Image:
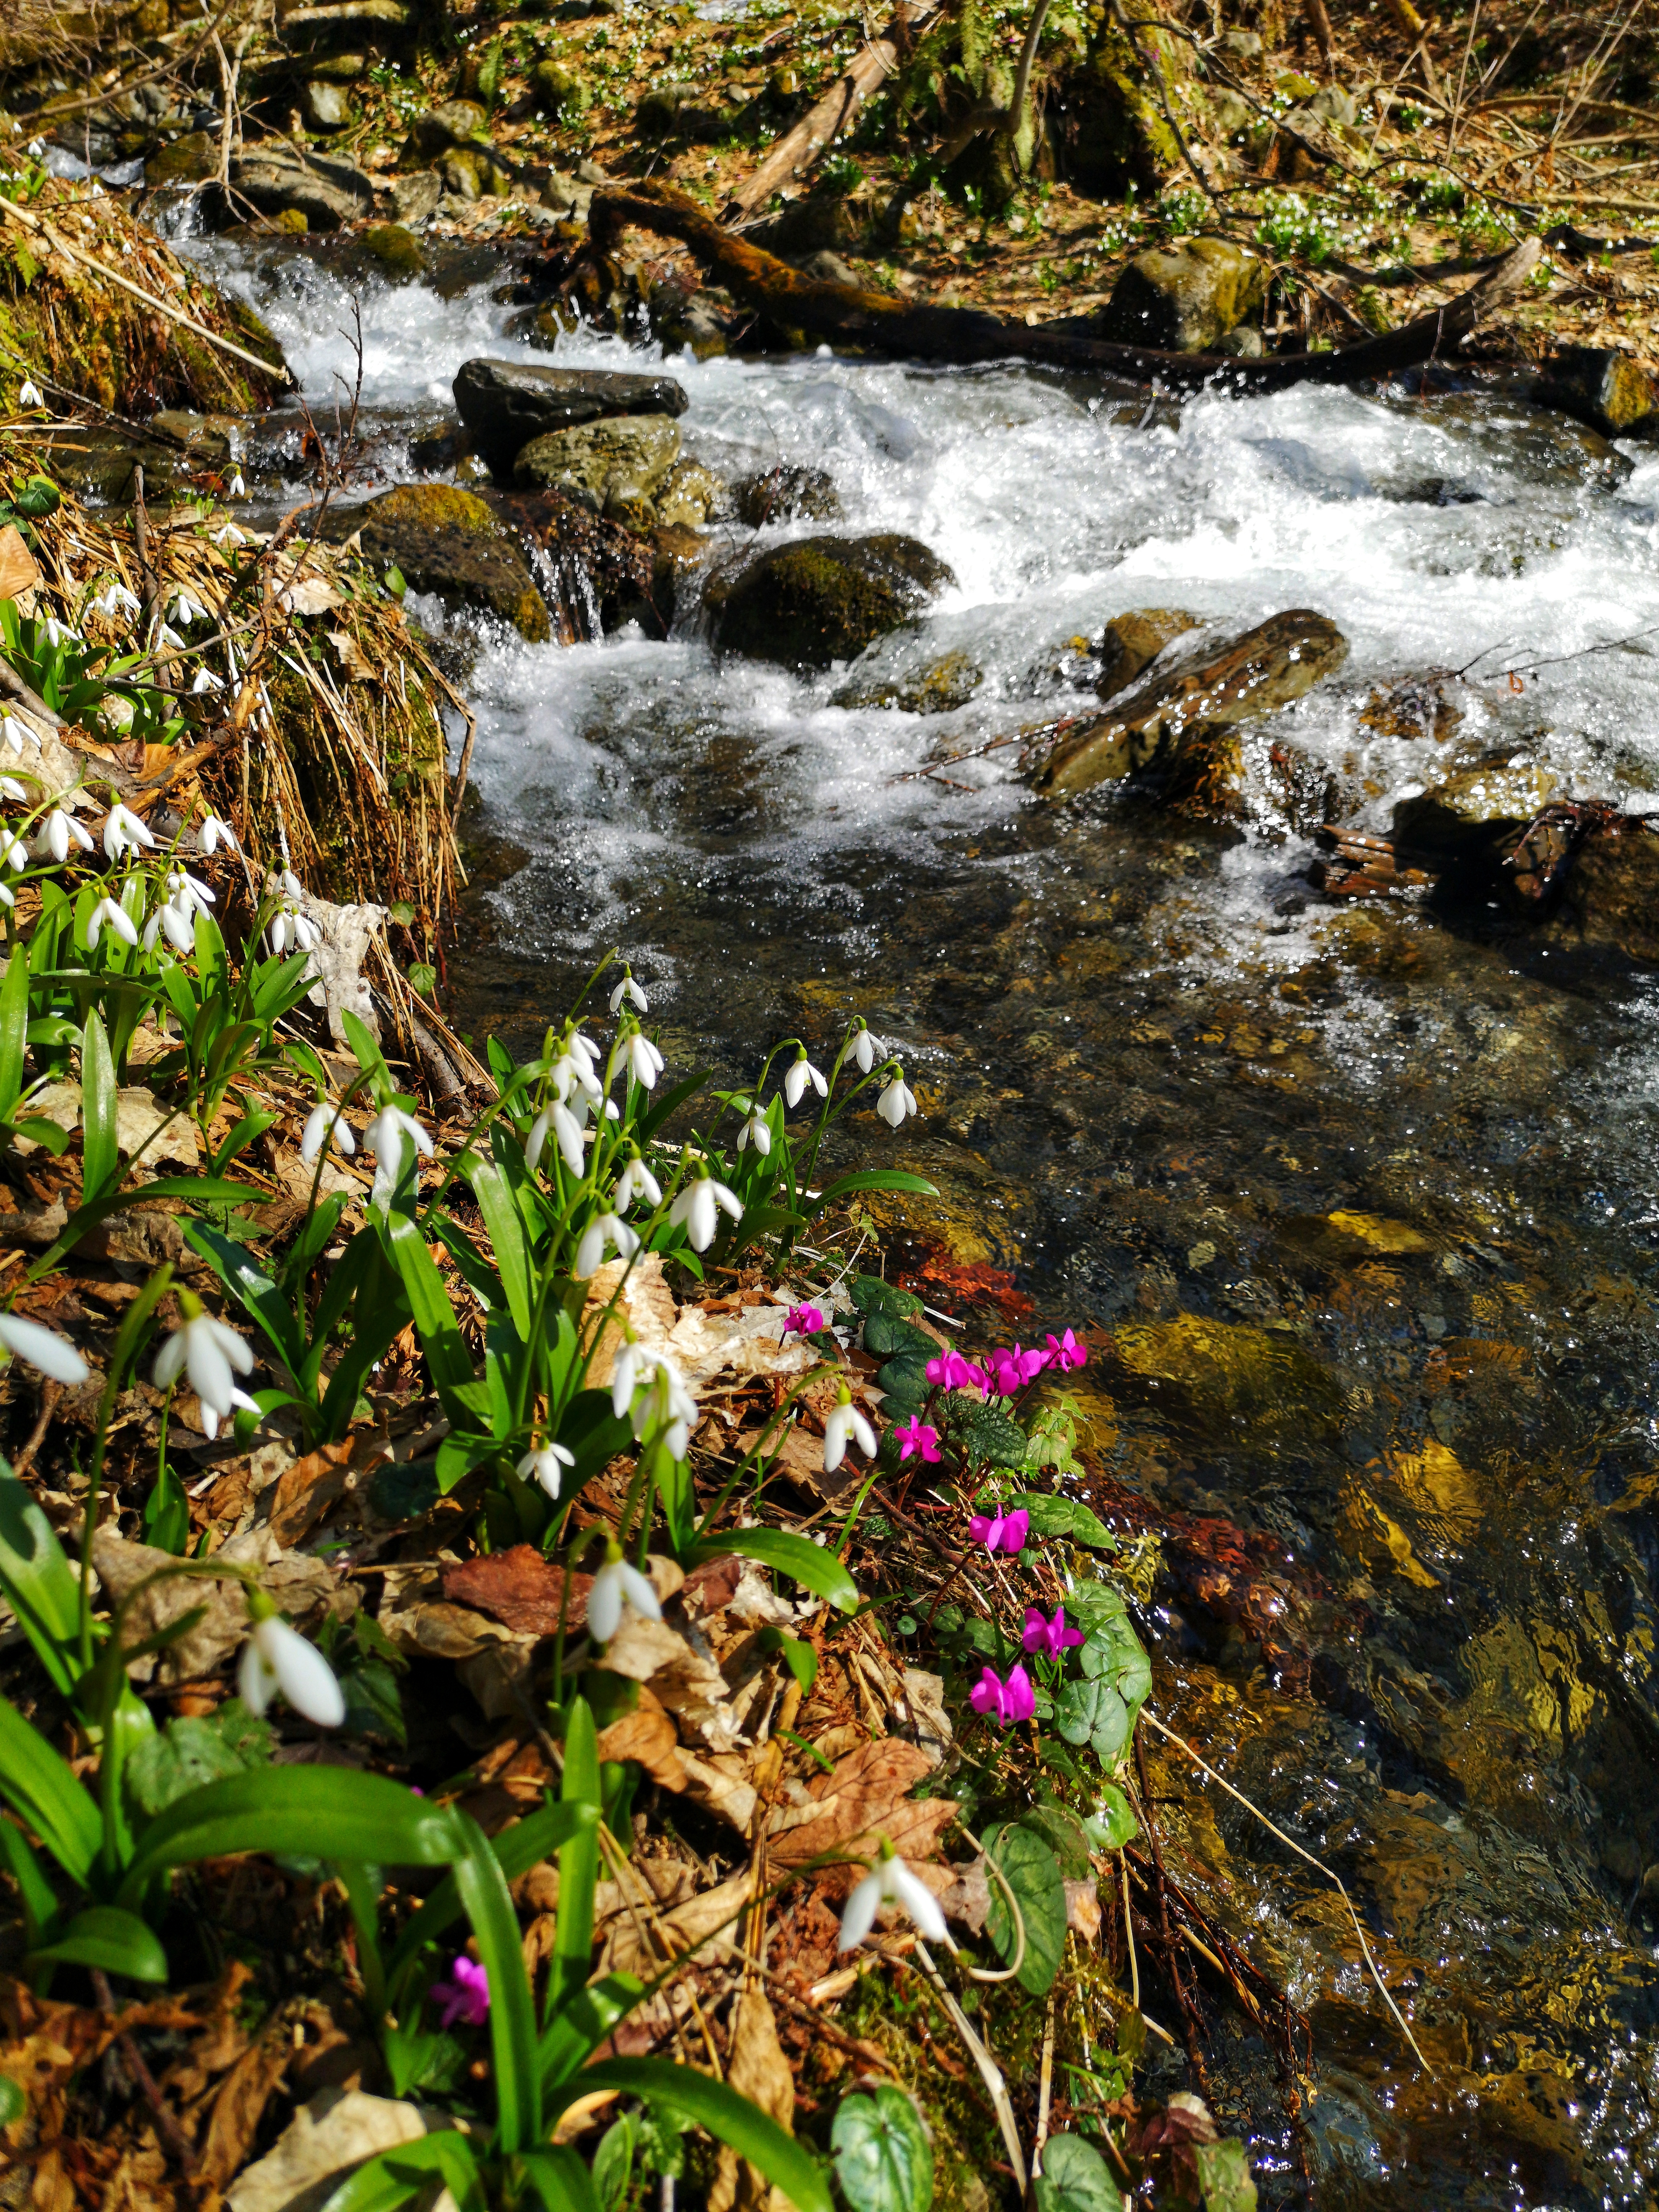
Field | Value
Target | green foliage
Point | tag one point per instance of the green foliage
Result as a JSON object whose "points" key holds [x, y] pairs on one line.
{"points": [[186, 1754], [1064, 1517], [883, 2159], [1075, 2178], [1032, 1872]]}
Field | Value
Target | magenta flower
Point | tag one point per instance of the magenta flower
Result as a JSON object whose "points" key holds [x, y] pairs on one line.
{"points": [[465, 1997], [1065, 1352], [1001, 1532], [1004, 1702], [917, 1435], [807, 1321], [1050, 1637], [1012, 1370], [950, 1371]]}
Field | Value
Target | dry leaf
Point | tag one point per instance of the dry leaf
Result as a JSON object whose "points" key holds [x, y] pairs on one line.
{"points": [[1083, 1908], [758, 2071], [305, 1490], [299, 1585], [521, 1588], [682, 1681], [867, 1797], [646, 1734], [707, 1924], [240, 2102], [324, 2140], [18, 573]]}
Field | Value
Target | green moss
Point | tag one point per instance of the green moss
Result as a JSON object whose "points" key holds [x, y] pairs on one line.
{"points": [[823, 599]]}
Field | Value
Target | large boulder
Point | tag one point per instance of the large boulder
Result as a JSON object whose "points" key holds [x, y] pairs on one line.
{"points": [[822, 600], [1266, 668], [1188, 297], [1133, 642], [600, 462], [1608, 391], [505, 404], [446, 541], [329, 194], [456, 123]]}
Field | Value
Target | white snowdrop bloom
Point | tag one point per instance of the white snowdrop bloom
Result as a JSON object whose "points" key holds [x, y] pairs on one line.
{"points": [[237, 488], [323, 1122], [604, 1229], [118, 918], [211, 1354], [896, 1100], [57, 832], [15, 732], [635, 1181], [13, 852], [564, 1125], [666, 1405], [118, 603], [800, 1073], [59, 634], [628, 990], [568, 1072], [389, 1136], [546, 1465], [699, 1205], [890, 1881], [29, 393], [230, 535], [43, 1349], [845, 1419], [618, 1584], [10, 789], [214, 833], [864, 1050], [6, 898], [756, 1131], [178, 923], [206, 681], [276, 1657], [124, 833], [169, 637], [634, 1050], [187, 610], [188, 891]]}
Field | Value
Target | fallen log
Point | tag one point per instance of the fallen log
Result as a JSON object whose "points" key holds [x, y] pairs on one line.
{"points": [[847, 314], [831, 115]]}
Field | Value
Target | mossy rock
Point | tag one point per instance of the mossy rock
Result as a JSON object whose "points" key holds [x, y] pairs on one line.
{"points": [[1238, 1384], [589, 460], [1133, 642], [1610, 901], [559, 90], [1187, 298], [936, 689], [446, 541], [1116, 128], [690, 495], [450, 124], [788, 494], [189, 160], [822, 599], [396, 250]]}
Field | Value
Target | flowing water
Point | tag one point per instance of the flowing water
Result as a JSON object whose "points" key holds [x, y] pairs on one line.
{"points": [[1154, 1065]]}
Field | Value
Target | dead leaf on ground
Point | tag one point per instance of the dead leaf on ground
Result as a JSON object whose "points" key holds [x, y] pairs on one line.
{"points": [[305, 1490], [682, 1681], [867, 1797], [757, 2070], [707, 1924], [519, 1588], [300, 1586], [240, 2102], [647, 1734]]}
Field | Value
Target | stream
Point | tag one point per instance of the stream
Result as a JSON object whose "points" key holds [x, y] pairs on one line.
{"points": [[1154, 1064]]}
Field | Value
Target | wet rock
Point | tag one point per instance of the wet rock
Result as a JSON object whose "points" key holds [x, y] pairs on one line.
{"points": [[596, 576], [446, 541], [1185, 300], [1133, 641], [1609, 900], [470, 172], [1245, 344], [625, 459], [324, 107], [414, 197], [691, 495], [339, 68], [1279, 661], [1608, 391], [787, 494], [209, 439], [689, 322], [828, 268], [329, 194], [396, 251], [947, 683], [97, 464], [454, 123], [1474, 815], [1236, 1383], [191, 159], [507, 403], [822, 600]]}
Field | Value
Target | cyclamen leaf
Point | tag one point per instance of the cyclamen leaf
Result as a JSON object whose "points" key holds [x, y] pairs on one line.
{"points": [[1092, 1712], [1063, 1831], [1032, 1873], [1112, 1824], [871, 1296], [1224, 2175], [989, 1436], [1064, 1516], [186, 1754], [1075, 2178], [886, 1336], [884, 2161]]}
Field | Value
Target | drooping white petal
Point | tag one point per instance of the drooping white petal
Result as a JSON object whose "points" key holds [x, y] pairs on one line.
{"points": [[303, 1676], [915, 1897], [834, 1436], [43, 1349], [605, 1603], [860, 1915], [255, 1680]]}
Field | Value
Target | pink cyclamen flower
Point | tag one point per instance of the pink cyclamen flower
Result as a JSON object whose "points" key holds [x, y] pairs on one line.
{"points": [[1012, 1370], [465, 1997], [806, 1321], [1001, 1532], [917, 1435], [1065, 1352], [1051, 1638], [950, 1371], [1004, 1702]]}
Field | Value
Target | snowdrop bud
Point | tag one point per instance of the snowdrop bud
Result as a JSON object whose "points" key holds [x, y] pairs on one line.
{"points": [[276, 1657], [10, 789], [214, 833], [44, 1350], [896, 1100], [845, 1419], [237, 488]]}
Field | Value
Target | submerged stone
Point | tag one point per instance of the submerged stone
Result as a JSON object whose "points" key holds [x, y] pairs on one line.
{"points": [[507, 403], [1610, 899], [446, 541], [788, 494], [822, 600], [1240, 1383], [949, 681]]}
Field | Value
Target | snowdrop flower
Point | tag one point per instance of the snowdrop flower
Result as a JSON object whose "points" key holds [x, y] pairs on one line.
{"points": [[15, 732], [59, 634], [755, 1131], [696, 1207], [29, 393], [10, 789], [664, 1403], [864, 1049], [57, 833], [604, 1229], [237, 488], [170, 638], [389, 1137], [566, 1129], [212, 1355], [177, 921], [628, 990], [214, 833], [206, 681], [323, 1122], [635, 1181], [43, 1349], [896, 1100], [6, 898], [800, 1074], [643, 1062], [230, 535], [116, 601], [124, 833], [572, 1071], [118, 919], [615, 1585], [277, 1657], [890, 1881], [15, 855], [545, 1464], [187, 890], [187, 610], [845, 1419]]}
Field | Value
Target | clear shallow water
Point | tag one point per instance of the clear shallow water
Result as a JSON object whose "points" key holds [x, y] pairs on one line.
{"points": [[1153, 1064]]}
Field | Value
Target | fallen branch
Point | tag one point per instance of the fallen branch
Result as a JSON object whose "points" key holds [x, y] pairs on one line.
{"points": [[830, 116], [853, 316]]}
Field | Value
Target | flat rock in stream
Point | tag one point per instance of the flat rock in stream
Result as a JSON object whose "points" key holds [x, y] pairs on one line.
{"points": [[595, 463], [507, 403], [328, 193], [1279, 661], [1133, 641], [446, 541], [822, 600]]}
